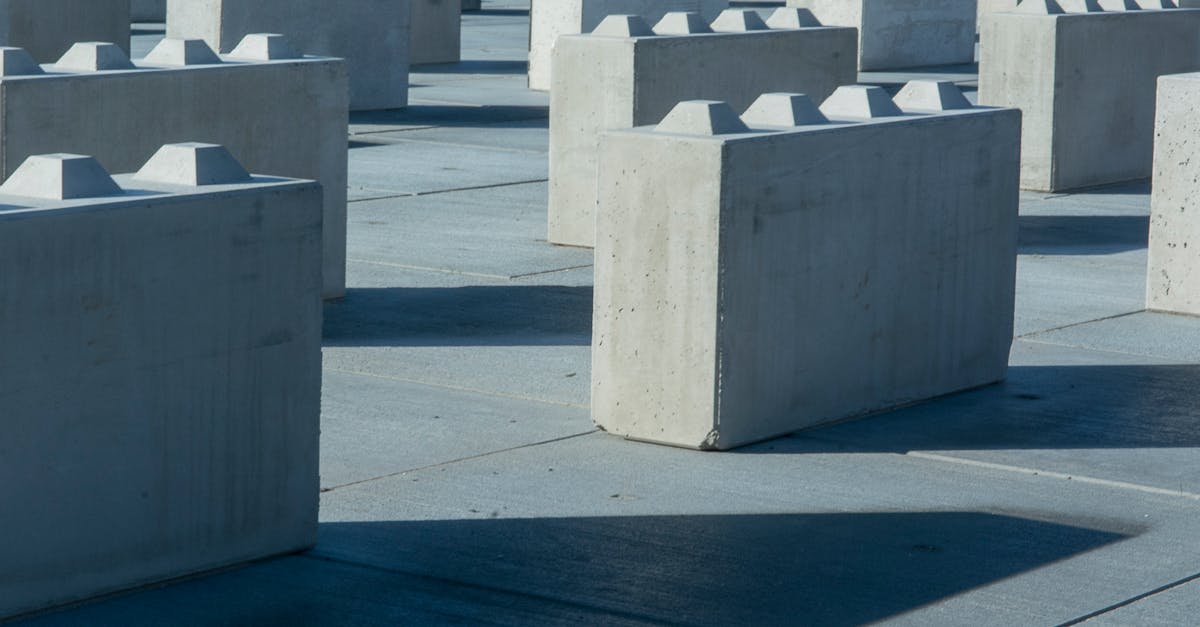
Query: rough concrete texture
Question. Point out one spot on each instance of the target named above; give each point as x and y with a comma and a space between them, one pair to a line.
148, 10
436, 32
1086, 84
621, 82
161, 371
903, 33
371, 35
550, 19
994, 6
1173, 268
252, 106
47, 28
749, 284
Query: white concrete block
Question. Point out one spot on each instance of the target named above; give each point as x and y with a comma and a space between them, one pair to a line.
549, 19
161, 373
287, 116
753, 283
47, 28
903, 33
612, 80
1173, 266
371, 35
1086, 84
436, 32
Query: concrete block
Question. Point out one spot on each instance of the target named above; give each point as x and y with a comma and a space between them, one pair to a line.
549, 19
615, 78
750, 283
287, 116
1173, 265
48, 28
162, 375
148, 10
1086, 84
436, 32
903, 33
472, 5
371, 35
986, 7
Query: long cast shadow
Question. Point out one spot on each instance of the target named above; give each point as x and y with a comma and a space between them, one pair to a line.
1082, 235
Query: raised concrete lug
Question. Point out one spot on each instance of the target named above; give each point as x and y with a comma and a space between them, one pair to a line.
94, 56
1173, 260
931, 96
783, 110
193, 164
623, 26
682, 23
860, 102
60, 177
702, 117
264, 47
791, 17
738, 21
182, 52
894, 35
18, 62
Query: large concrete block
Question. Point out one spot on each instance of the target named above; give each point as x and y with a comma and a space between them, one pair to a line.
284, 115
550, 19
371, 35
987, 7
1173, 267
148, 10
755, 281
611, 80
47, 28
161, 372
1086, 83
436, 32
903, 33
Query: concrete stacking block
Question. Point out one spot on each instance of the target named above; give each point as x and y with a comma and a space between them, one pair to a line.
472, 5
897, 34
277, 112
148, 10
625, 75
550, 19
436, 35
1173, 266
371, 35
754, 278
1086, 84
48, 28
161, 372
986, 7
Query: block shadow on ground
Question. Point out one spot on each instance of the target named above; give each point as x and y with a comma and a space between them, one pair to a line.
500, 315
1082, 235
450, 116
474, 66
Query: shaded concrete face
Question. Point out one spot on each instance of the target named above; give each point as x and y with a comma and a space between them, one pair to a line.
1086, 84
47, 28
749, 284
1173, 268
613, 83
122, 116
161, 371
903, 33
148, 10
436, 31
371, 35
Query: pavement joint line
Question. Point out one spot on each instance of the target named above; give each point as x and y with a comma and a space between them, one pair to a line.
1130, 601
545, 272
1078, 324
480, 275
1108, 483
450, 191
456, 388
460, 459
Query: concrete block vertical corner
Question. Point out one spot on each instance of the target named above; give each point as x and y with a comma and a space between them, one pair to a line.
1173, 258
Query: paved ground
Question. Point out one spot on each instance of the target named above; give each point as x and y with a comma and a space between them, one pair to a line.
464, 483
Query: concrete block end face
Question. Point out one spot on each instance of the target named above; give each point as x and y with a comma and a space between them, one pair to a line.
682, 23
738, 21
61, 177
1039, 7
95, 56
702, 117
193, 164
783, 110
623, 26
182, 52
929, 96
264, 47
860, 102
792, 18
18, 62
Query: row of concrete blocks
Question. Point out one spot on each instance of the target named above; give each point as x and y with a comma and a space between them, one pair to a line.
801, 264
625, 74
161, 371
95, 100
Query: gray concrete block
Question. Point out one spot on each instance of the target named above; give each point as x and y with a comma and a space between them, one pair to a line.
614, 82
47, 28
1173, 265
121, 115
372, 36
550, 19
436, 32
903, 33
162, 373
1086, 85
148, 10
752, 283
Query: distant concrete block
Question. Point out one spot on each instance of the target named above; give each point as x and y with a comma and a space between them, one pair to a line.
1086, 84
287, 116
148, 10
162, 378
1173, 266
614, 79
371, 35
906, 33
472, 5
754, 284
47, 28
549, 19
436, 32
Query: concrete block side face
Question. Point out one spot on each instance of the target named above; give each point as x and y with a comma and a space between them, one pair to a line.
854, 279
18, 62
148, 10
190, 439
48, 28
905, 33
654, 321
436, 32
196, 19
1173, 266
